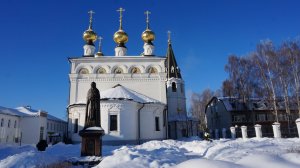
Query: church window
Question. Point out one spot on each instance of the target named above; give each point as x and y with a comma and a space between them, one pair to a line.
8, 124
41, 133
174, 87
135, 70
76, 126
152, 70
113, 123
101, 71
157, 124
172, 69
15, 125
83, 71
2, 122
118, 70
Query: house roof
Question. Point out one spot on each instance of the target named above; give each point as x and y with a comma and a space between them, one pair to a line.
121, 92
25, 112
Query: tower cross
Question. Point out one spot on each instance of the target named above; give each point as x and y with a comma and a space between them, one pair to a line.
121, 16
100, 43
169, 36
91, 18
147, 13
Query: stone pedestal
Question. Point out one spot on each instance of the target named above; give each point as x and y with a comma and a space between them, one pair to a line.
244, 132
224, 133
258, 132
298, 126
276, 130
91, 144
233, 133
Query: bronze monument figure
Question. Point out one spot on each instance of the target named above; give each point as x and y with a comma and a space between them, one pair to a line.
92, 112
92, 132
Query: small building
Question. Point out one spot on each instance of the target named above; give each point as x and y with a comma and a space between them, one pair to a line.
225, 112
28, 126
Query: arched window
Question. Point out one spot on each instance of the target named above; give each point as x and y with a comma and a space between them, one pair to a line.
83, 71
173, 87
135, 70
2, 122
152, 70
8, 124
101, 71
118, 70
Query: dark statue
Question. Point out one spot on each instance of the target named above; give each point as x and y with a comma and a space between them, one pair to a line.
92, 112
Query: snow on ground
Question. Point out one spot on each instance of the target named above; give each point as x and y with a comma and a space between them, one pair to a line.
224, 153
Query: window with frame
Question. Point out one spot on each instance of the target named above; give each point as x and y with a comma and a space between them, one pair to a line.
8, 124
2, 122
239, 118
76, 125
41, 133
113, 124
157, 124
174, 87
15, 124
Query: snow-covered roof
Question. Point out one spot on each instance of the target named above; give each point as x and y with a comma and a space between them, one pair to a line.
25, 112
121, 92
11, 111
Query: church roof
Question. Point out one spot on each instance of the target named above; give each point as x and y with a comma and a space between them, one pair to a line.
121, 92
172, 67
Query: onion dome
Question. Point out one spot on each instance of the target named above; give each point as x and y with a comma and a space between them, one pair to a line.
148, 35
89, 36
120, 36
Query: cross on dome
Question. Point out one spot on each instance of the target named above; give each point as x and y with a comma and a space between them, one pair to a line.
121, 16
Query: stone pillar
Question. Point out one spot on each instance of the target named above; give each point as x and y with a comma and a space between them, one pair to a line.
244, 132
224, 133
216, 134
233, 133
298, 126
276, 130
258, 132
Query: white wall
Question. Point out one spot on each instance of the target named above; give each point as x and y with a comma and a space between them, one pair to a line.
30, 127
8, 134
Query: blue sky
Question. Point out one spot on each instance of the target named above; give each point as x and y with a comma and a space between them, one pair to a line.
37, 37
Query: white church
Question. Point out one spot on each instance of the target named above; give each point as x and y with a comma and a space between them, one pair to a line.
142, 96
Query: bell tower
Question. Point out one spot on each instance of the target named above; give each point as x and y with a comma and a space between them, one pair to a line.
176, 99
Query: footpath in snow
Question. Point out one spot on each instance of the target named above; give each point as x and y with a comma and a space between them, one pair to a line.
226, 153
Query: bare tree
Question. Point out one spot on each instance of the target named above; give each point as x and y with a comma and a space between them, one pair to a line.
264, 58
198, 104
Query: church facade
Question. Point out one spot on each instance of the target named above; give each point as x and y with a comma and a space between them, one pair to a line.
142, 97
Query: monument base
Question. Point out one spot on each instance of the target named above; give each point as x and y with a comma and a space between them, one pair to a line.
91, 144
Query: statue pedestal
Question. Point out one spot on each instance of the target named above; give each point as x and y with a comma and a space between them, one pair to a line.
91, 144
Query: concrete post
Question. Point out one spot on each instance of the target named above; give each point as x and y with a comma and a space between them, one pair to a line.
244, 132
216, 134
224, 133
298, 126
233, 133
276, 130
258, 132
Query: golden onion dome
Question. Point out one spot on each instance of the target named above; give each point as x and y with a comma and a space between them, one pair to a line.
120, 37
148, 36
89, 35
